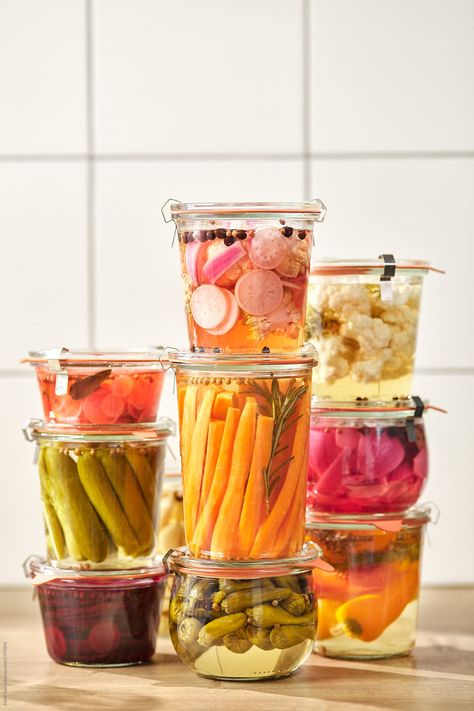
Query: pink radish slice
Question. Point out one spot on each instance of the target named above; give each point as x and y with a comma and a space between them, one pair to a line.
322, 449
378, 488
192, 255
377, 455
258, 292
420, 464
231, 317
218, 265
268, 248
401, 473
347, 438
331, 479
209, 306
292, 285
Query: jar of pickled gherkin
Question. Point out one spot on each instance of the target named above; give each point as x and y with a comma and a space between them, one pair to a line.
100, 490
244, 428
243, 621
362, 316
245, 269
99, 387
99, 618
368, 606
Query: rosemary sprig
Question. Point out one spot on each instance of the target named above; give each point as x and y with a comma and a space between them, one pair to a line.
281, 407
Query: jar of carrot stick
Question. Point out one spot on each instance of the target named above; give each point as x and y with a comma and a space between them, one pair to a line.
368, 606
244, 430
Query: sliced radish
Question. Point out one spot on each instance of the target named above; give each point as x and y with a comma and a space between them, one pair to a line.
268, 248
231, 317
331, 479
322, 450
292, 285
377, 455
218, 265
209, 306
192, 256
258, 292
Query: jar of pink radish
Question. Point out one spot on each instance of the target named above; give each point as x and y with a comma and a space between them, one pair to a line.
364, 458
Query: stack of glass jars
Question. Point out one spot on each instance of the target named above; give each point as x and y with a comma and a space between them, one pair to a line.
242, 604
100, 454
368, 459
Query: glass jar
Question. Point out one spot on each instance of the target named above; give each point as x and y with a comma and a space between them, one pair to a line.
99, 387
245, 270
364, 324
368, 606
366, 459
243, 621
100, 492
100, 618
244, 429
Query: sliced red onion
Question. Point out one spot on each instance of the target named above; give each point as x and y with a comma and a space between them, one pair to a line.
218, 265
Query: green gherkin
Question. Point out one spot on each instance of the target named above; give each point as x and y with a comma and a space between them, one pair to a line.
259, 636
267, 615
238, 641
296, 604
53, 525
285, 636
216, 629
237, 601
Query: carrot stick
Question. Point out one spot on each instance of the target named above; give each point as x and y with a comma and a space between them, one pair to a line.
291, 533
201, 539
214, 439
195, 461
225, 534
188, 419
267, 533
181, 397
254, 501
223, 401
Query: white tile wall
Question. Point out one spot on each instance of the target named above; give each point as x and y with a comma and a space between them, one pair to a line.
112, 106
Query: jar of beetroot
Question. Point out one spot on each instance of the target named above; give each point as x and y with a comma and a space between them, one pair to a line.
365, 458
99, 618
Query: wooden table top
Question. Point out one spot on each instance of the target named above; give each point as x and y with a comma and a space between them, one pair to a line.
439, 673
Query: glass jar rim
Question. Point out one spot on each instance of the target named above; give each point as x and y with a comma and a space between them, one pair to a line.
38, 430
181, 561
314, 209
149, 356
208, 358
411, 518
329, 266
367, 409
36, 565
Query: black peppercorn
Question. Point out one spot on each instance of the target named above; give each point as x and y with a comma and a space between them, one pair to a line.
265, 349
286, 231
211, 234
228, 241
301, 234
241, 234
220, 234
202, 236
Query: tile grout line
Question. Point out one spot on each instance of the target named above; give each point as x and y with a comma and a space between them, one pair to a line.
90, 197
306, 29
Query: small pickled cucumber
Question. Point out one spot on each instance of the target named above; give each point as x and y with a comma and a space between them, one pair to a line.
238, 641
216, 629
237, 601
230, 586
285, 636
259, 636
145, 474
218, 597
74, 510
187, 653
175, 611
288, 581
201, 590
127, 488
267, 615
296, 604
188, 630
53, 525
102, 495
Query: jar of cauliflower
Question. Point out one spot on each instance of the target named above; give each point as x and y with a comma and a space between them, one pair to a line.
362, 316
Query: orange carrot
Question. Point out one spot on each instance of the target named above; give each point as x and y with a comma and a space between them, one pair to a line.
195, 461
291, 533
181, 396
254, 501
221, 405
201, 539
267, 533
225, 534
187, 424
214, 439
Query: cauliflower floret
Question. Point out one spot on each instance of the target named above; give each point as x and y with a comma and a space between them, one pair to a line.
404, 340
366, 371
296, 261
372, 334
340, 297
332, 364
400, 316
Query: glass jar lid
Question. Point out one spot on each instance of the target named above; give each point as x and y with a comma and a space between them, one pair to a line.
389, 522
313, 209
57, 358
261, 363
369, 410
37, 430
385, 263
181, 561
40, 571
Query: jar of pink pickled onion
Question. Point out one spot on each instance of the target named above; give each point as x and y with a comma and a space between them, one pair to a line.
365, 458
